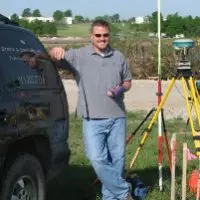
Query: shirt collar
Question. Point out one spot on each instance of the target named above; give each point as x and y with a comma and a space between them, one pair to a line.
109, 51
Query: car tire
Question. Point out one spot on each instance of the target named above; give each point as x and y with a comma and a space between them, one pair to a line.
24, 180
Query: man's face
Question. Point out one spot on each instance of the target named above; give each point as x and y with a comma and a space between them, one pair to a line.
100, 37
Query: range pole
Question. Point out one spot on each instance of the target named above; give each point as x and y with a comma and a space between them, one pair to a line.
159, 93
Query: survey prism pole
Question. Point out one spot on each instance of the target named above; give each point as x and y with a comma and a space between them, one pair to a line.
159, 93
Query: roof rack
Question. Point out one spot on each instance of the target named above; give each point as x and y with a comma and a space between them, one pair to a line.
6, 20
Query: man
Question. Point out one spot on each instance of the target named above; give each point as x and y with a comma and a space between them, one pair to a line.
102, 76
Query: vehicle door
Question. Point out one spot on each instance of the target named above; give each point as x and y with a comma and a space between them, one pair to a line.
35, 87
8, 128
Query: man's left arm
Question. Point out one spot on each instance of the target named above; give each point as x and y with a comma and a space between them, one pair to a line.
127, 85
126, 75
126, 81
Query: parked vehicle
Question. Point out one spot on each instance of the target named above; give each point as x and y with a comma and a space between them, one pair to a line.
33, 116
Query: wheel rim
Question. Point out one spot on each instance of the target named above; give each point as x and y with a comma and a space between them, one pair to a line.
24, 189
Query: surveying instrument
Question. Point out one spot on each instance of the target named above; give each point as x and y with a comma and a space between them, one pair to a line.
191, 95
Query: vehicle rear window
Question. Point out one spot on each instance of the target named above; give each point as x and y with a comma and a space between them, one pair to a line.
20, 60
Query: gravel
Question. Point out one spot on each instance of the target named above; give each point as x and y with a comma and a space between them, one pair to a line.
142, 96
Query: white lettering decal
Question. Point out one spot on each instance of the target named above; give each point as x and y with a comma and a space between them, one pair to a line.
31, 80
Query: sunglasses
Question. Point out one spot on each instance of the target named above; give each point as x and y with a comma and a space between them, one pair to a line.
101, 35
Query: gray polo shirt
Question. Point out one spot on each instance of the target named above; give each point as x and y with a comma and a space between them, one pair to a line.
95, 75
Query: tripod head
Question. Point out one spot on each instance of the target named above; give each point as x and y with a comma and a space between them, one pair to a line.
182, 47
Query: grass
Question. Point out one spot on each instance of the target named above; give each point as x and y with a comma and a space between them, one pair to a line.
83, 30
75, 182
74, 30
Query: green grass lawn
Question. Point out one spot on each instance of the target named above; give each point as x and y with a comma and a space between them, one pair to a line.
75, 182
74, 30
83, 30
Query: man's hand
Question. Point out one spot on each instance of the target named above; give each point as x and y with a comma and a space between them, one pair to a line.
57, 53
119, 89
116, 91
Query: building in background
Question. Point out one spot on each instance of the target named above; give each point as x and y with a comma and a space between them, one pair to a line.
44, 19
142, 20
66, 20
139, 20
179, 36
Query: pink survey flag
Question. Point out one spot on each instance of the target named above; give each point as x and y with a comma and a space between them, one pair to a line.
191, 156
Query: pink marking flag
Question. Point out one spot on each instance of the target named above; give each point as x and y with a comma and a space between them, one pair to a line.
191, 156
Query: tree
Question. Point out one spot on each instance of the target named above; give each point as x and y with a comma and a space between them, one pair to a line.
36, 13
79, 18
114, 29
147, 19
197, 26
115, 18
68, 13
15, 17
190, 26
87, 20
26, 12
132, 20
105, 17
58, 15
37, 27
49, 28
174, 25
154, 22
24, 23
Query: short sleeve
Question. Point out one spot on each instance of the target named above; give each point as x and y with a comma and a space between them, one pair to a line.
126, 74
70, 56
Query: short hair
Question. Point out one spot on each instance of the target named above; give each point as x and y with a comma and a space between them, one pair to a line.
100, 22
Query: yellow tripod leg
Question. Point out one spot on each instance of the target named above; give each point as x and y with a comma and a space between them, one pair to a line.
193, 96
196, 136
196, 91
152, 122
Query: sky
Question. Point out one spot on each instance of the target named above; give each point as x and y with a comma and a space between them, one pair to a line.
92, 8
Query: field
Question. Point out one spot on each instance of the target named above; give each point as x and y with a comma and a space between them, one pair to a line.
74, 30
138, 48
83, 30
75, 182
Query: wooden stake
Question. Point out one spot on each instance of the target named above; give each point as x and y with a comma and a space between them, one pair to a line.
184, 172
173, 151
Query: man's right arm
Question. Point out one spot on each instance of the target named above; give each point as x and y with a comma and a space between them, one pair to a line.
57, 53
65, 60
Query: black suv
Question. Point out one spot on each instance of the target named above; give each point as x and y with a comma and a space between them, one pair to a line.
33, 116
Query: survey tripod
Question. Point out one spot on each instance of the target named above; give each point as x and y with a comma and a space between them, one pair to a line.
191, 95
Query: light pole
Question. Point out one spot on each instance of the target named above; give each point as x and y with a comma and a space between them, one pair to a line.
159, 93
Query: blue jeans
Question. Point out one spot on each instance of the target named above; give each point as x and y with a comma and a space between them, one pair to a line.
105, 147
